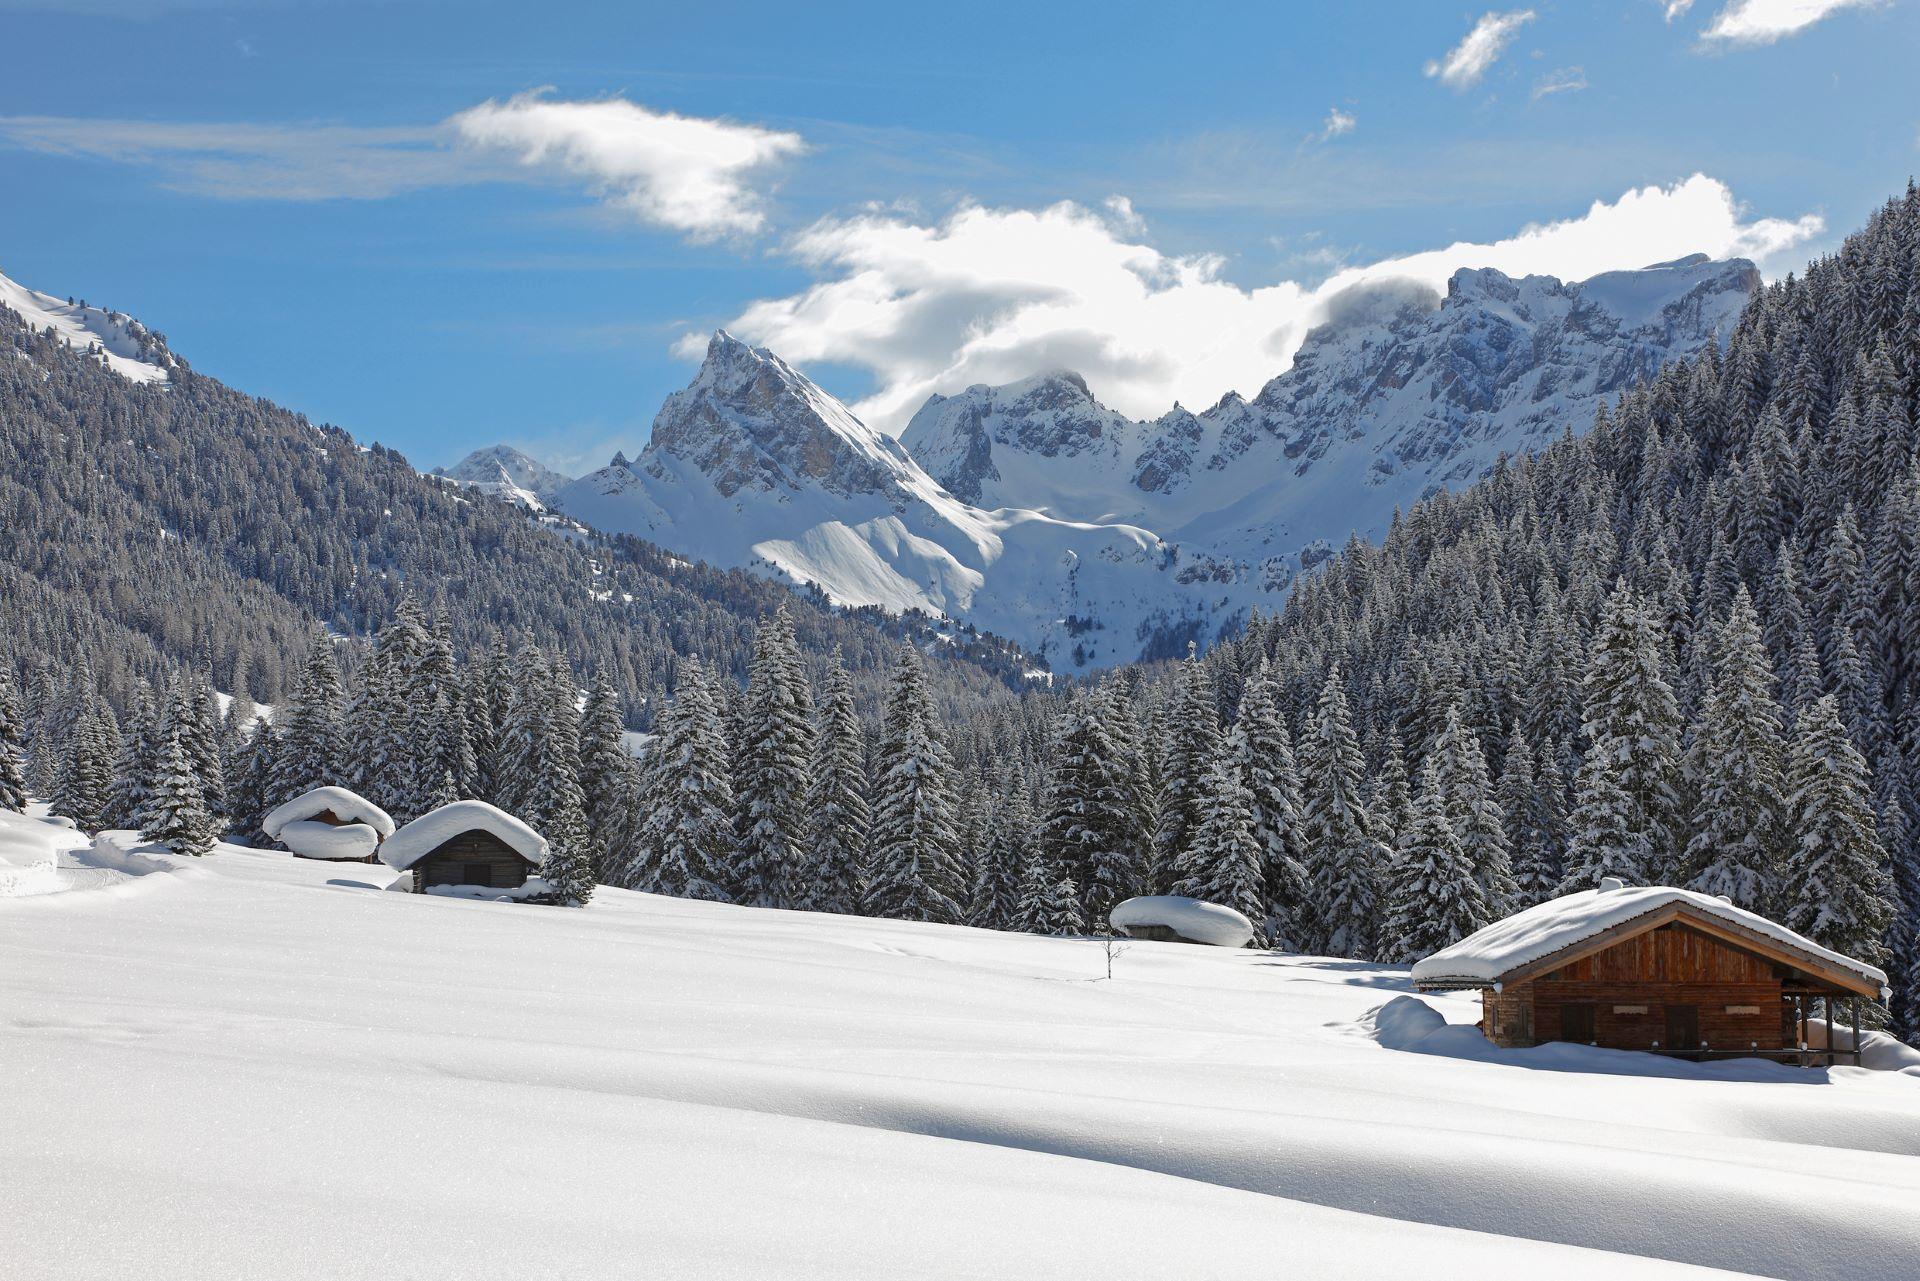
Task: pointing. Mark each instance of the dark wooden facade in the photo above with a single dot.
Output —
(1680, 983)
(475, 857)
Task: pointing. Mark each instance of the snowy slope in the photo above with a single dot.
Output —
(504, 471)
(252, 1065)
(129, 348)
(754, 465)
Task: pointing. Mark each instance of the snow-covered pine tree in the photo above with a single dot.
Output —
(83, 776)
(1273, 782)
(13, 740)
(1049, 900)
(997, 884)
(1225, 863)
(1739, 819)
(138, 762)
(609, 776)
(914, 872)
(308, 730)
(250, 790)
(1192, 731)
(557, 806)
(1344, 859)
(775, 755)
(1474, 813)
(1533, 825)
(1605, 836)
(175, 813)
(1836, 885)
(1633, 726)
(200, 735)
(686, 836)
(1433, 896)
(837, 813)
(1087, 805)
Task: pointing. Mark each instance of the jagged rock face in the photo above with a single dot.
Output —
(1052, 416)
(749, 421)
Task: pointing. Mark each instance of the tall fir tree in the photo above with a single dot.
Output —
(1739, 819)
(1473, 811)
(686, 838)
(1836, 886)
(1433, 896)
(1010, 849)
(915, 873)
(1633, 728)
(1273, 782)
(775, 757)
(1344, 859)
(838, 816)
(13, 742)
(308, 730)
(1192, 733)
(1225, 863)
(175, 813)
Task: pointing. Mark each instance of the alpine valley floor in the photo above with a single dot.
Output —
(253, 1066)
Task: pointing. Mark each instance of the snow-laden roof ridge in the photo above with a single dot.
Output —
(436, 827)
(339, 801)
(1547, 928)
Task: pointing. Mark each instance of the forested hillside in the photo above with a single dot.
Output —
(153, 524)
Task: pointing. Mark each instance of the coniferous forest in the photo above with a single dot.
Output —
(1680, 646)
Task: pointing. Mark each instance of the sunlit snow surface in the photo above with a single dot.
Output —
(80, 327)
(252, 1065)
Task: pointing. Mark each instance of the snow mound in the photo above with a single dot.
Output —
(129, 348)
(1482, 957)
(337, 801)
(1878, 1051)
(1190, 918)
(430, 831)
(344, 841)
(1403, 1022)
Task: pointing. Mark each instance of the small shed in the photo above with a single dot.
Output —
(1174, 918)
(466, 843)
(1654, 968)
(330, 823)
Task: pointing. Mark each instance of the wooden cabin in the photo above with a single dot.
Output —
(330, 823)
(1658, 969)
(468, 844)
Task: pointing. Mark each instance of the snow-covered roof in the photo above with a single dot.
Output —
(1190, 918)
(1487, 955)
(337, 801)
(432, 830)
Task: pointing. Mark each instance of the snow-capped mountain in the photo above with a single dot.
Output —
(753, 465)
(125, 345)
(1399, 393)
(1034, 511)
(508, 473)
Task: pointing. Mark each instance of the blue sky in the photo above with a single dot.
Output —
(445, 224)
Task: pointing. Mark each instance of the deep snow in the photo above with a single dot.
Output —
(254, 1065)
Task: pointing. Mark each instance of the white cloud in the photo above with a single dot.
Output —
(1565, 80)
(991, 295)
(682, 172)
(1467, 61)
(1338, 122)
(1765, 21)
(1675, 8)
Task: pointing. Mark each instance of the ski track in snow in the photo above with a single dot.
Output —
(268, 1067)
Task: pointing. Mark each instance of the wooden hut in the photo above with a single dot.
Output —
(1668, 971)
(466, 844)
(330, 823)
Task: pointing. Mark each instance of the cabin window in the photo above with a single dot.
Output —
(477, 874)
(1629, 1009)
(1576, 1021)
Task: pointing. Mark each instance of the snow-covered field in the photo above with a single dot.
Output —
(256, 1066)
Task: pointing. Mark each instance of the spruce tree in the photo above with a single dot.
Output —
(1273, 780)
(686, 838)
(1606, 837)
(1532, 824)
(1087, 805)
(997, 887)
(838, 816)
(1474, 813)
(13, 777)
(1225, 863)
(915, 873)
(1836, 886)
(138, 763)
(1633, 728)
(1433, 894)
(1739, 819)
(175, 813)
(771, 785)
(1192, 732)
(308, 730)
(1344, 859)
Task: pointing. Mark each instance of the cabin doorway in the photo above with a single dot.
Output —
(1576, 1022)
(1683, 1029)
(477, 874)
